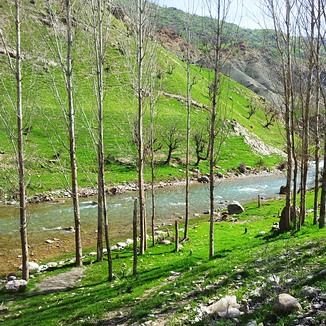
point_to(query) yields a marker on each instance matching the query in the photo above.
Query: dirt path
(61, 281)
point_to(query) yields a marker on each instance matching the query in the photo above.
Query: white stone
(129, 241)
(31, 266)
(16, 285)
(226, 307)
(122, 244)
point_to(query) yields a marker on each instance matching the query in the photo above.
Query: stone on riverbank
(235, 208)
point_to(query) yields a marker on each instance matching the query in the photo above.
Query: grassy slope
(44, 114)
(156, 293)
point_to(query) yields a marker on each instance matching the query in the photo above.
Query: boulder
(235, 208)
(283, 190)
(226, 307)
(16, 285)
(285, 304)
(203, 179)
(166, 242)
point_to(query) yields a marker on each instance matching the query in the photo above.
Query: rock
(235, 208)
(252, 323)
(219, 175)
(3, 310)
(286, 304)
(129, 241)
(166, 242)
(274, 279)
(310, 292)
(11, 277)
(122, 245)
(226, 307)
(283, 190)
(203, 179)
(32, 266)
(16, 285)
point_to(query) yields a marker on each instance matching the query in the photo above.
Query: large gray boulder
(285, 304)
(235, 208)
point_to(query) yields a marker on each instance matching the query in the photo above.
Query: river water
(170, 201)
(48, 220)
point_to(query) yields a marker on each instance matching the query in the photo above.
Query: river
(48, 221)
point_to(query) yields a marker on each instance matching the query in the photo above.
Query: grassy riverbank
(172, 286)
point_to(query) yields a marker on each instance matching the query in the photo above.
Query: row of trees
(140, 50)
(301, 48)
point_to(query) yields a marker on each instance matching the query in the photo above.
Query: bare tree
(218, 9)
(283, 35)
(308, 28)
(172, 138)
(19, 146)
(63, 53)
(322, 8)
(98, 16)
(200, 138)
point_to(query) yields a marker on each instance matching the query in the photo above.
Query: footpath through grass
(171, 286)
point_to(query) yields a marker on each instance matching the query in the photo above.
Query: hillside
(44, 102)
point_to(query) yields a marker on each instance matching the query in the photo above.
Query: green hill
(44, 102)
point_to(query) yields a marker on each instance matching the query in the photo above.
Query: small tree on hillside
(172, 139)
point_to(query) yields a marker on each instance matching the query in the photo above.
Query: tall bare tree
(218, 9)
(16, 69)
(283, 35)
(72, 136)
(61, 45)
(321, 34)
(100, 21)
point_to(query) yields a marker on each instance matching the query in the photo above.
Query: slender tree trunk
(152, 105)
(141, 185)
(317, 121)
(135, 258)
(188, 136)
(305, 119)
(72, 138)
(323, 190)
(107, 241)
(20, 145)
(99, 55)
(214, 94)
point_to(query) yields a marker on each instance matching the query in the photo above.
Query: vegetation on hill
(46, 136)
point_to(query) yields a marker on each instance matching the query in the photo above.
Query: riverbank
(196, 176)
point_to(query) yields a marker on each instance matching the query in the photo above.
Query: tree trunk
(72, 138)
(305, 117)
(323, 190)
(214, 94)
(20, 145)
(188, 135)
(152, 105)
(141, 185)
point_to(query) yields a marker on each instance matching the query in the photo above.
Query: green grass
(242, 263)
(49, 133)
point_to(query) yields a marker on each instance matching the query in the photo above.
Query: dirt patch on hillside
(61, 282)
